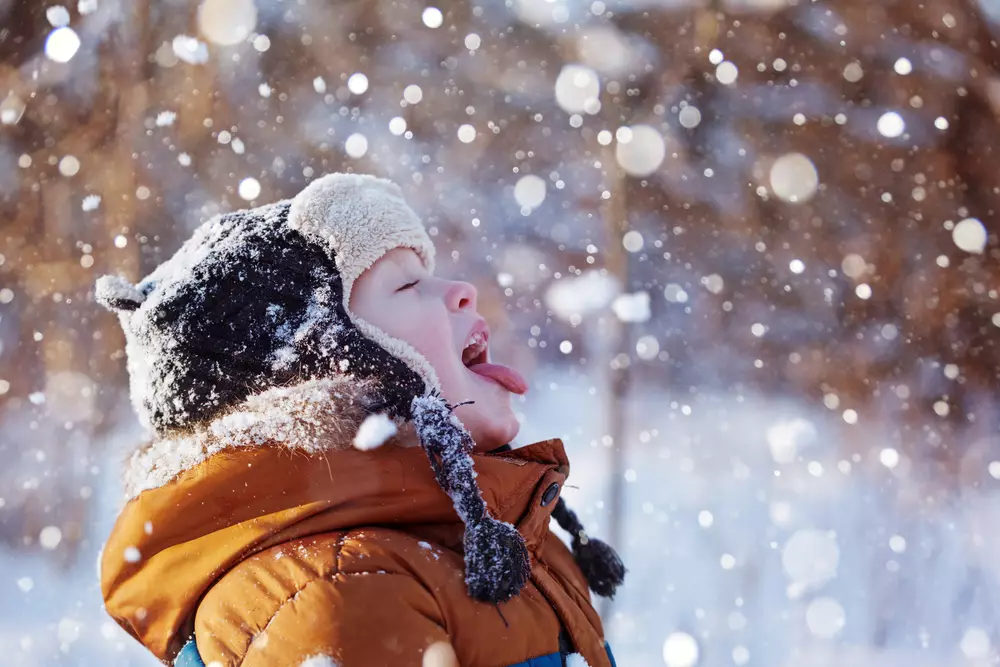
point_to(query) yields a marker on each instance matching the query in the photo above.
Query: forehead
(403, 257)
(392, 263)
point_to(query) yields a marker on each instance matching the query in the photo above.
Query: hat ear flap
(497, 563)
(117, 294)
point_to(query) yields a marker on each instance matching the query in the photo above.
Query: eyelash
(408, 285)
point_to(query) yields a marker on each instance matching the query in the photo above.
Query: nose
(461, 296)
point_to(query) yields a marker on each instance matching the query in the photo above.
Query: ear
(117, 294)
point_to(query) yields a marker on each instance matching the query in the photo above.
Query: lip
(479, 326)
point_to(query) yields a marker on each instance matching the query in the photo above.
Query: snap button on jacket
(550, 494)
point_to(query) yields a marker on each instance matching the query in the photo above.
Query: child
(286, 361)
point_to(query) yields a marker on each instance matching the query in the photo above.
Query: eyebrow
(407, 265)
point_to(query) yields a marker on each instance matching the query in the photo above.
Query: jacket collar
(320, 417)
(280, 468)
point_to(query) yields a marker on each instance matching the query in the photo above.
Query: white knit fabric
(363, 217)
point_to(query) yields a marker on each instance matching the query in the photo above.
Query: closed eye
(407, 285)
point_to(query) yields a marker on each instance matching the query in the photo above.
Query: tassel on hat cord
(598, 561)
(497, 563)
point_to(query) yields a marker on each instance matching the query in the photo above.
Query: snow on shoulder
(318, 660)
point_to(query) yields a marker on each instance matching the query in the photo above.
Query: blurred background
(745, 252)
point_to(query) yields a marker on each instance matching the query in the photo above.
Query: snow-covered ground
(51, 615)
(752, 537)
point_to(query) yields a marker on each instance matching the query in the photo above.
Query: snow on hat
(259, 298)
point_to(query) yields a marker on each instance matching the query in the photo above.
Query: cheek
(436, 348)
(433, 339)
(429, 332)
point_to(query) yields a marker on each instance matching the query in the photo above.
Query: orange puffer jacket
(271, 540)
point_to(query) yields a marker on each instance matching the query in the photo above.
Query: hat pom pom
(117, 294)
(600, 564)
(497, 564)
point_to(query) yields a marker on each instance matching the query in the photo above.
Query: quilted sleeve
(307, 603)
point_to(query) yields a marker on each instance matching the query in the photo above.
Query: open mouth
(476, 357)
(476, 352)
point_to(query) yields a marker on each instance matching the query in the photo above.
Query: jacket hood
(281, 467)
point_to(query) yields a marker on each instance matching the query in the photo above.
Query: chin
(490, 418)
(489, 432)
(505, 434)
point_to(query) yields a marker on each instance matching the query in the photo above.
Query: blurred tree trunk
(619, 341)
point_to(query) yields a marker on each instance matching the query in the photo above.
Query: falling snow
(374, 431)
(794, 178)
(62, 44)
(57, 15)
(970, 235)
(891, 125)
(747, 256)
(641, 149)
(227, 22)
(165, 118)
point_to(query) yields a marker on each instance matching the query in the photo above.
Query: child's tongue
(505, 376)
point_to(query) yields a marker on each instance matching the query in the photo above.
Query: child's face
(436, 317)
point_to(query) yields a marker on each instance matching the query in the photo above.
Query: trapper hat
(258, 298)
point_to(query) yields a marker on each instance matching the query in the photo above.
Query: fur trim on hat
(312, 416)
(362, 217)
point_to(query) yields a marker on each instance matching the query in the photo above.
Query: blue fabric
(189, 657)
(555, 660)
(550, 660)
